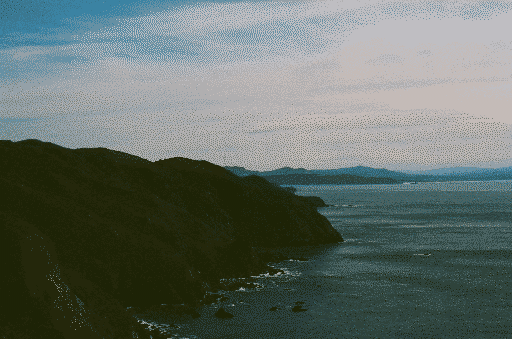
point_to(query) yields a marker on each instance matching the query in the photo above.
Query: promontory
(86, 233)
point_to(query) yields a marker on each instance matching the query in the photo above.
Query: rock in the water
(221, 313)
(211, 298)
(274, 271)
(298, 309)
(274, 308)
(236, 285)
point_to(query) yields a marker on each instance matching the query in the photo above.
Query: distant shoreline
(394, 184)
(361, 175)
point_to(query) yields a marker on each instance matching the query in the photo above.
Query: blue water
(428, 260)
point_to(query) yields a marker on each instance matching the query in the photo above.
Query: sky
(402, 85)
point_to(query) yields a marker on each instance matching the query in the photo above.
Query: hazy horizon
(311, 169)
(401, 85)
(272, 169)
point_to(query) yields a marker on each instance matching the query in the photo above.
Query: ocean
(426, 260)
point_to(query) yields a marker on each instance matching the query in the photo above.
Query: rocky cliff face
(88, 232)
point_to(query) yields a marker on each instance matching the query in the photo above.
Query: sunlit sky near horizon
(402, 85)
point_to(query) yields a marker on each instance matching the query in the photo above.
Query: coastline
(402, 251)
(127, 222)
(235, 299)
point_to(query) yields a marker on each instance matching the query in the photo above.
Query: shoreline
(394, 184)
(137, 234)
(217, 294)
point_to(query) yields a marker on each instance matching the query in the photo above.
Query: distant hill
(463, 173)
(503, 170)
(357, 171)
(364, 172)
(449, 171)
(301, 176)
(316, 179)
(352, 175)
(286, 171)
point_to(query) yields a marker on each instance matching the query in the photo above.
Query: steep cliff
(88, 232)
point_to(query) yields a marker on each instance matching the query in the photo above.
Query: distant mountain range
(463, 174)
(357, 171)
(362, 175)
(301, 176)
(317, 179)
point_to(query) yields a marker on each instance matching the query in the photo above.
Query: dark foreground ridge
(86, 233)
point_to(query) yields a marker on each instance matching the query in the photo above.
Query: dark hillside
(88, 232)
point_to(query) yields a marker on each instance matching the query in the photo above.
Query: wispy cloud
(268, 84)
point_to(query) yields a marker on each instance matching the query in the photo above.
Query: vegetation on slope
(88, 232)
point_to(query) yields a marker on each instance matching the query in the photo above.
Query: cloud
(266, 85)
(334, 111)
(217, 33)
(385, 59)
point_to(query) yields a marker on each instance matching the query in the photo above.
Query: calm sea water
(428, 260)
